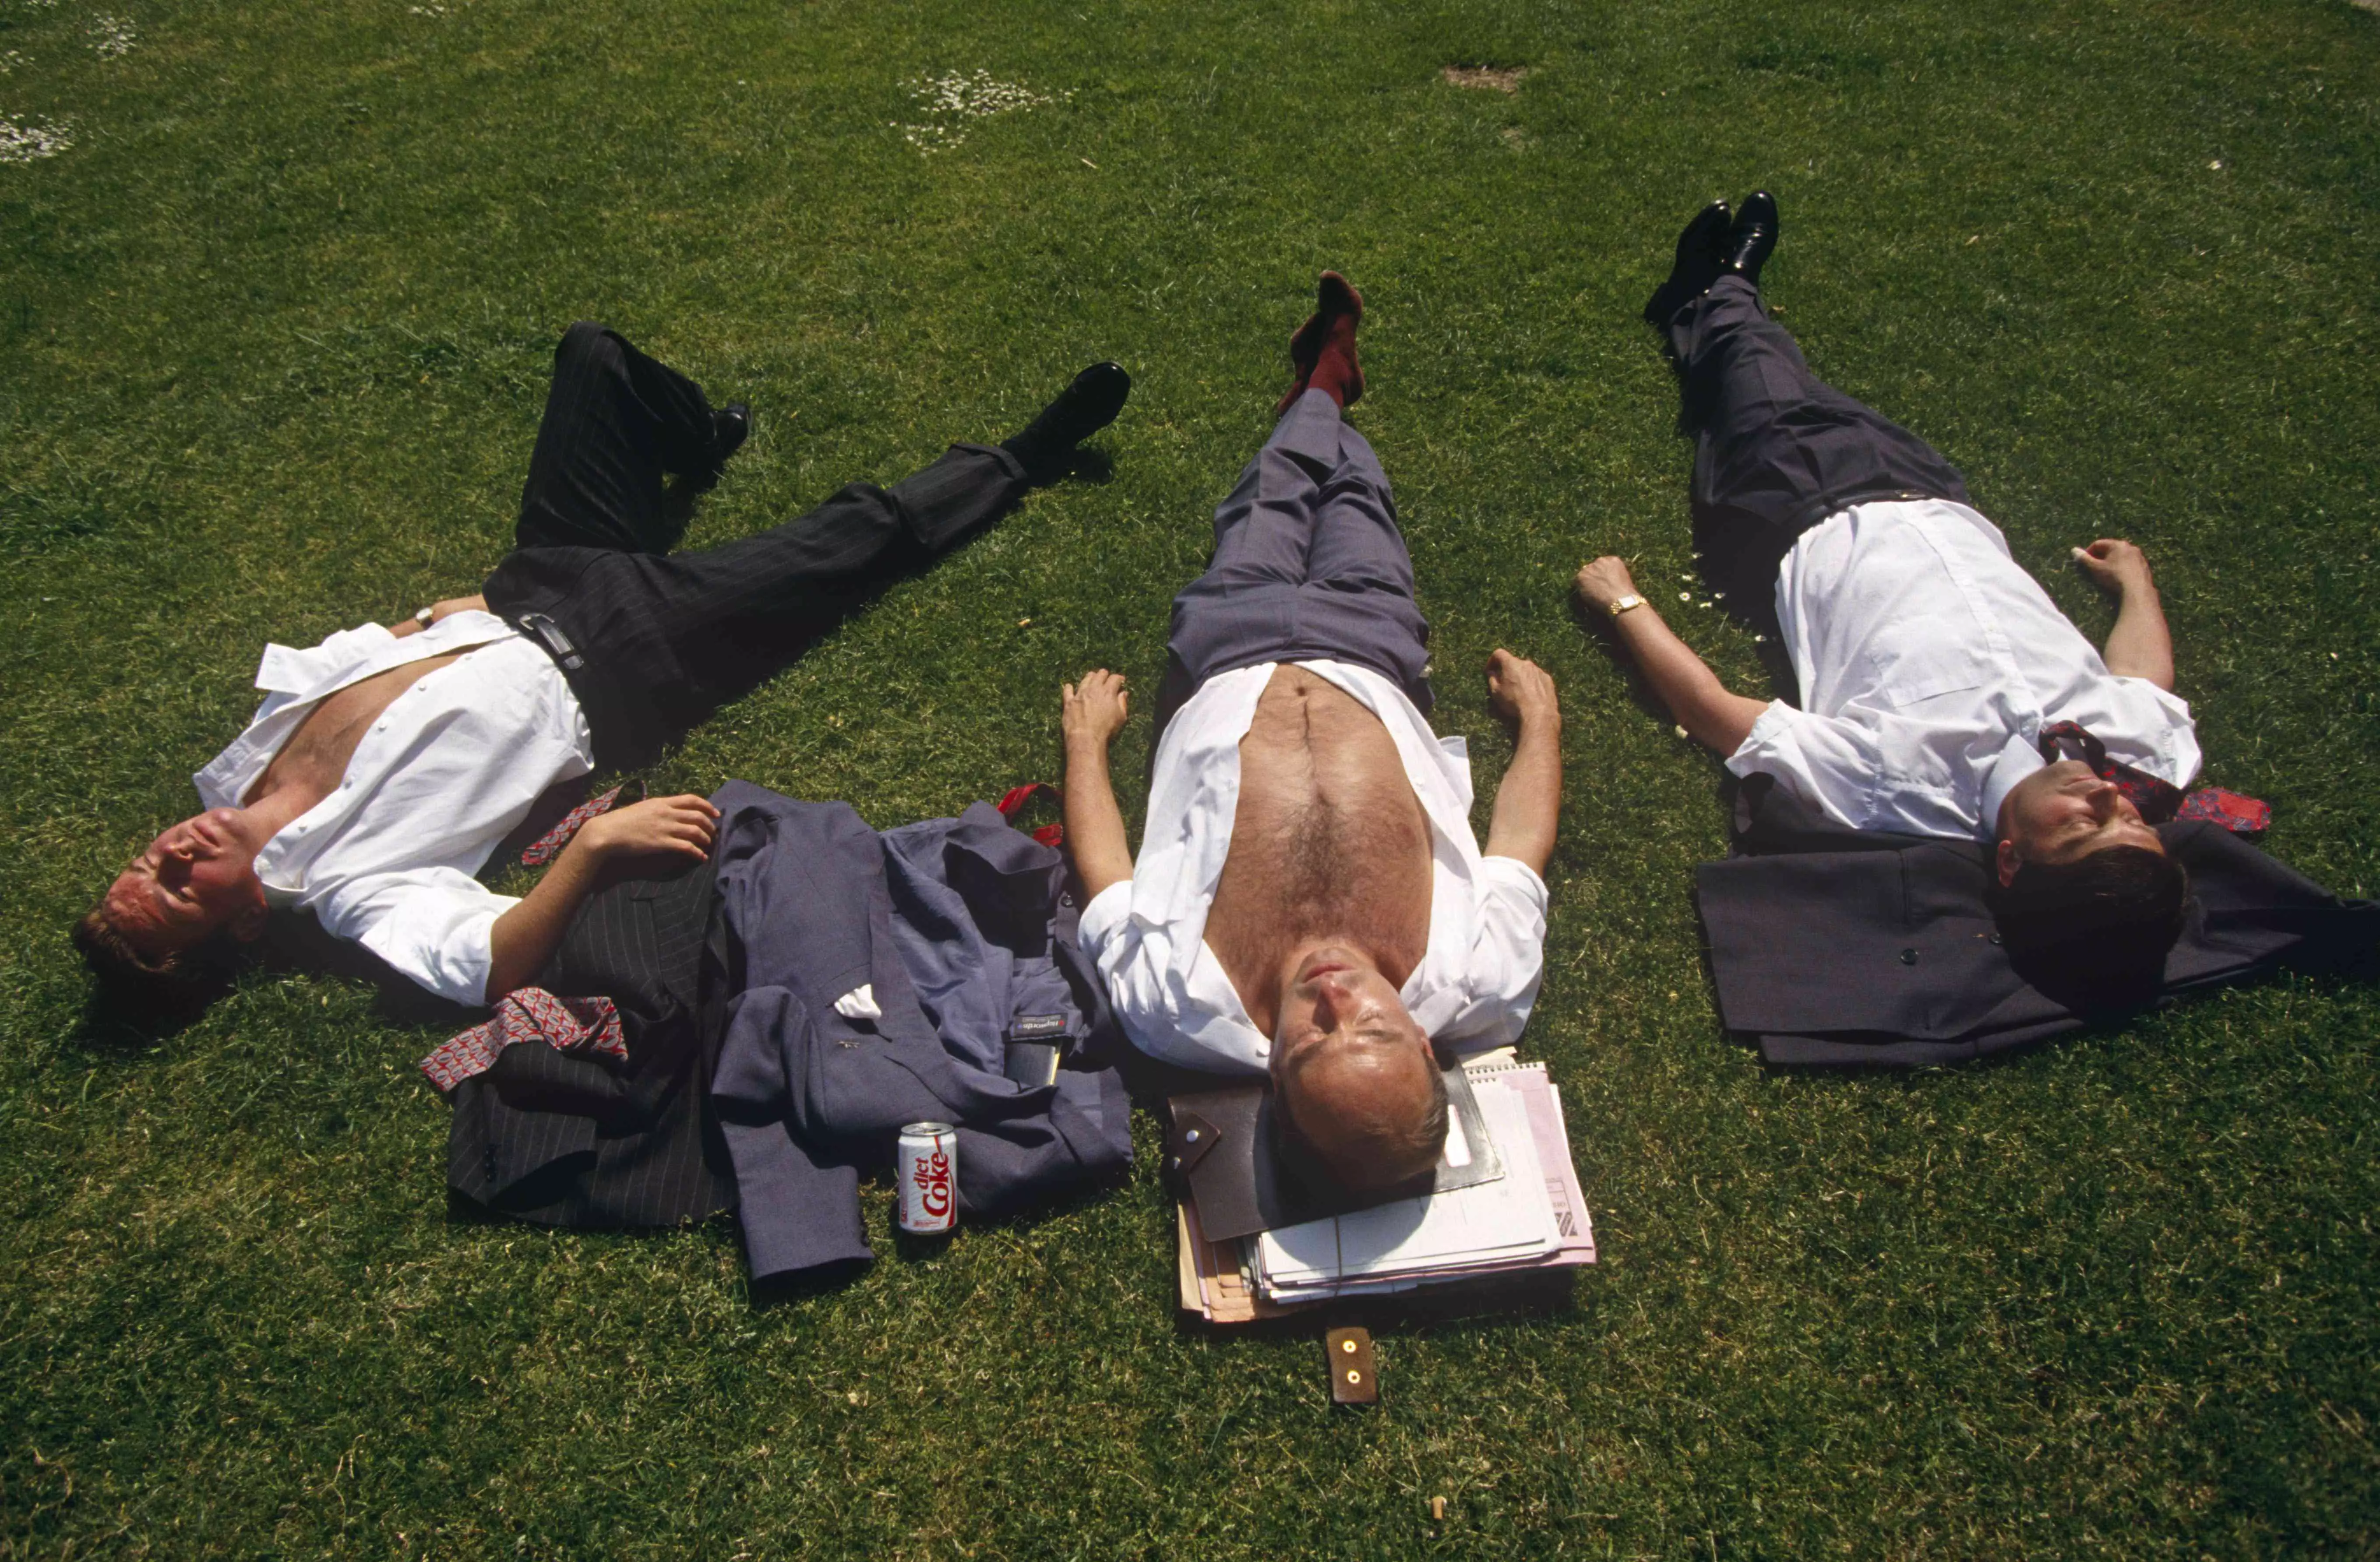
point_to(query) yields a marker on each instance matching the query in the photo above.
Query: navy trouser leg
(1308, 564)
(1776, 450)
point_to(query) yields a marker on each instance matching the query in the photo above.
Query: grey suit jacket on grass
(1838, 946)
(746, 1087)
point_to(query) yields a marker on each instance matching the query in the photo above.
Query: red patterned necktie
(547, 847)
(2157, 801)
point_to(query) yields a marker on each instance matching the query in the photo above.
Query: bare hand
(1521, 692)
(1095, 710)
(680, 826)
(1604, 582)
(2114, 565)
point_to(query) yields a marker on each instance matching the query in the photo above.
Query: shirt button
(1908, 956)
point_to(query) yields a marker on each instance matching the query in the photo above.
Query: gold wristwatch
(1623, 604)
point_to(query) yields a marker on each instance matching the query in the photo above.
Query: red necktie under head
(2157, 801)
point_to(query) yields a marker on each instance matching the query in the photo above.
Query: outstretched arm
(1094, 712)
(2139, 646)
(1696, 700)
(1528, 804)
(665, 829)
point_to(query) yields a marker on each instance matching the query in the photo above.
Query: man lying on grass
(1309, 899)
(1941, 691)
(385, 764)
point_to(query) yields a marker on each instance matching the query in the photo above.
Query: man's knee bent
(586, 344)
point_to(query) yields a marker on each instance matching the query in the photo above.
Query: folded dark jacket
(1830, 946)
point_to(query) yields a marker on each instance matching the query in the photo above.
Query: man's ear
(2006, 860)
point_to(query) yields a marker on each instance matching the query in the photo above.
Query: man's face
(1347, 1060)
(2063, 812)
(193, 880)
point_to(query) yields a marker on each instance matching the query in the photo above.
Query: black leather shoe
(1752, 237)
(730, 427)
(1081, 410)
(1697, 266)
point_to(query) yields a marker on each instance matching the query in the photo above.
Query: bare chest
(316, 753)
(1327, 841)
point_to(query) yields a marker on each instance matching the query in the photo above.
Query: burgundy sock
(1323, 351)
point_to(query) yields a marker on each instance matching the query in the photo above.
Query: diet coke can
(928, 1167)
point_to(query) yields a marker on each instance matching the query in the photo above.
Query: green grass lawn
(273, 330)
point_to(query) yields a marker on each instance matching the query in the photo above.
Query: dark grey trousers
(1776, 450)
(666, 639)
(1308, 563)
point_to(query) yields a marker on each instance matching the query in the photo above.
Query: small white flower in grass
(952, 99)
(9, 60)
(112, 37)
(1685, 595)
(32, 140)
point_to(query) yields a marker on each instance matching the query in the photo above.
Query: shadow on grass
(1460, 1311)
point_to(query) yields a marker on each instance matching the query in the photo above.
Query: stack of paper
(1533, 1217)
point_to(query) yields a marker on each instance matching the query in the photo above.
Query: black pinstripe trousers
(568, 1141)
(665, 639)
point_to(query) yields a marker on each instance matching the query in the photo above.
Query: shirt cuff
(1773, 718)
(1103, 916)
(1512, 870)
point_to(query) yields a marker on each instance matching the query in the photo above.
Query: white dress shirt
(446, 773)
(1929, 662)
(1474, 986)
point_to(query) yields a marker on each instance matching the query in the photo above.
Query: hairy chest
(1327, 841)
(316, 755)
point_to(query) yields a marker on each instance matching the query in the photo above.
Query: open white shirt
(1474, 986)
(1929, 662)
(446, 773)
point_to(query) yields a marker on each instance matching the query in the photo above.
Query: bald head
(1356, 1078)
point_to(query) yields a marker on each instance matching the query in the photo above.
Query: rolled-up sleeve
(1104, 918)
(1864, 769)
(1830, 764)
(1508, 958)
(1133, 970)
(2144, 726)
(434, 925)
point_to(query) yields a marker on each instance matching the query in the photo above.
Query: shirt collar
(2020, 758)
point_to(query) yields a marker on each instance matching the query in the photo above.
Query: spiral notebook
(1533, 1219)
